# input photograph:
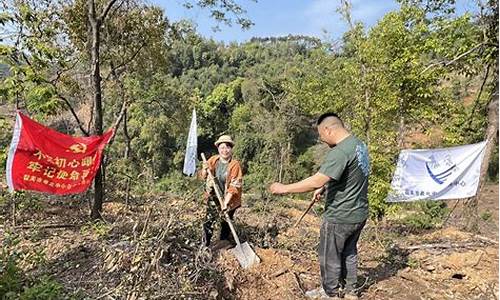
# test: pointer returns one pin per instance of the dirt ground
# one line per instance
(152, 252)
(452, 264)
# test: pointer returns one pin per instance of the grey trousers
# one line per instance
(338, 255)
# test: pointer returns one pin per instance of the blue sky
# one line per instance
(282, 17)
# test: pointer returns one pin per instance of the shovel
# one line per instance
(305, 212)
(243, 252)
(313, 200)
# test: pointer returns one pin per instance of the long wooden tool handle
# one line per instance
(313, 200)
(216, 187)
(218, 193)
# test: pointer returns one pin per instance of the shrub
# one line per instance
(175, 183)
(14, 284)
(486, 215)
(46, 288)
(428, 215)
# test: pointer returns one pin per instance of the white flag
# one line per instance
(191, 148)
(437, 174)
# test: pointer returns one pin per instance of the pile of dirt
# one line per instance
(277, 276)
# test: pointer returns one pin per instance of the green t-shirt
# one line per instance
(221, 175)
(348, 166)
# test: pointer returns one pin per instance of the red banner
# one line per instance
(45, 160)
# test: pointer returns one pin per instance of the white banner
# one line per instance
(437, 174)
(191, 148)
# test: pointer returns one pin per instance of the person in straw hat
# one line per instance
(228, 174)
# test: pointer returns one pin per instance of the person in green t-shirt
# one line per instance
(343, 178)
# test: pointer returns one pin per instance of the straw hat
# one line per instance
(224, 139)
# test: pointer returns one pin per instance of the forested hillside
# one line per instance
(421, 77)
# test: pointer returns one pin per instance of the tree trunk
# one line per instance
(491, 138)
(95, 25)
(280, 168)
(128, 149)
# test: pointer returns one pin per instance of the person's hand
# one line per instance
(209, 185)
(318, 193)
(278, 188)
(225, 203)
(204, 169)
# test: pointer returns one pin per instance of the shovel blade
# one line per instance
(245, 255)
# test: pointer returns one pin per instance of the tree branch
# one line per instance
(125, 62)
(447, 63)
(91, 118)
(118, 120)
(91, 12)
(45, 226)
(122, 113)
(478, 97)
(443, 246)
(106, 10)
(165, 109)
(86, 133)
(53, 83)
(59, 73)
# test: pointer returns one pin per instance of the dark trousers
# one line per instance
(211, 216)
(338, 255)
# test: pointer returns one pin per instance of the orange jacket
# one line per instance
(234, 180)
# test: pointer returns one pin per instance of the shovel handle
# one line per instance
(313, 200)
(218, 193)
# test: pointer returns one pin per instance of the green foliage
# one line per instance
(427, 215)
(14, 284)
(10, 276)
(419, 221)
(176, 183)
(413, 263)
(222, 10)
(45, 288)
(27, 202)
(486, 215)
(34, 57)
(388, 81)
(5, 136)
(216, 109)
(409, 73)
(99, 228)
(435, 209)
(304, 165)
